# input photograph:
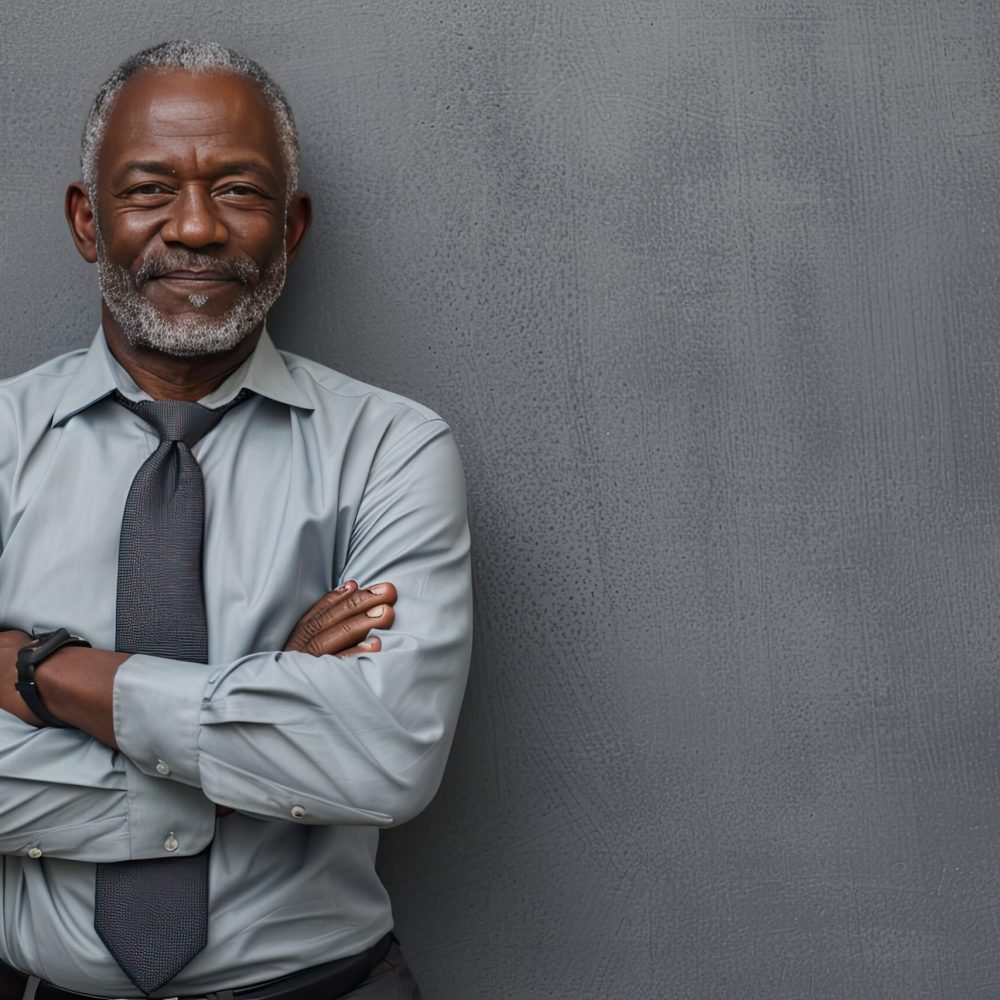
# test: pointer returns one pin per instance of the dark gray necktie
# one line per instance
(153, 915)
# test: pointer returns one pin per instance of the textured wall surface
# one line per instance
(707, 290)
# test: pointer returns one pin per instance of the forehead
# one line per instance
(181, 113)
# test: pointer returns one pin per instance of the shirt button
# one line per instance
(298, 812)
(171, 843)
(35, 853)
(161, 768)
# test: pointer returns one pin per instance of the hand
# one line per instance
(10, 701)
(340, 620)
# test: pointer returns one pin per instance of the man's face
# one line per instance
(190, 212)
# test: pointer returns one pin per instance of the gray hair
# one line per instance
(195, 57)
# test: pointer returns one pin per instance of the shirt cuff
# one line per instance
(157, 710)
(166, 818)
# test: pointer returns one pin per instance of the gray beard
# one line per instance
(189, 335)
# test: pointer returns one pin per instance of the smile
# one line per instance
(195, 277)
(187, 285)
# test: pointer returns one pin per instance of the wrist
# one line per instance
(11, 642)
(77, 686)
(30, 658)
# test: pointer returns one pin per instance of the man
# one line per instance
(190, 804)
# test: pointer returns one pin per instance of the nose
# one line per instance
(193, 220)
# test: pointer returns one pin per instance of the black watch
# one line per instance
(29, 657)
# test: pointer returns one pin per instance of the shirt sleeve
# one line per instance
(326, 740)
(67, 795)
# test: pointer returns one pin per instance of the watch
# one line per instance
(29, 657)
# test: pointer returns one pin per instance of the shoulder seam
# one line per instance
(418, 409)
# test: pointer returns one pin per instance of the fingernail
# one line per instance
(376, 612)
(378, 589)
(368, 644)
(344, 587)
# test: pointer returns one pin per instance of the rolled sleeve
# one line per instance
(157, 712)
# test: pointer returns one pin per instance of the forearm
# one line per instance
(294, 737)
(77, 686)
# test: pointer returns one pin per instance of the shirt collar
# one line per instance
(100, 374)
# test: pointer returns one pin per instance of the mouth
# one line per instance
(187, 283)
(200, 277)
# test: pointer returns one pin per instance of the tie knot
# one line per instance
(177, 420)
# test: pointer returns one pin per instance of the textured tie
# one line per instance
(153, 915)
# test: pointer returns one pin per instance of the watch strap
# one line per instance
(29, 658)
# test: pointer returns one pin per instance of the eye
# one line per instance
(241, 191)
(150, 187)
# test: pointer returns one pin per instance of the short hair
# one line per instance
(195, 57)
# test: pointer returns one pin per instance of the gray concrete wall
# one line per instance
(707, 289)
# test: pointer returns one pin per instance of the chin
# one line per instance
(187, 336)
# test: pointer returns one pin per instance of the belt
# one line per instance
(321, 982)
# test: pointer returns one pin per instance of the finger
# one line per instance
(351, 631)
(309, 623)
(354, 603)
(371, 645)
(384, 590)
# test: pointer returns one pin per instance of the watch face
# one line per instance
(47, 639)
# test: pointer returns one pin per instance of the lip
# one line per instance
(212, 277)
(187, 283)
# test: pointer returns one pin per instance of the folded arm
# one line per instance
(304, 738)
(308, 739)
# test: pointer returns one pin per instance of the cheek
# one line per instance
(260, 237)
(130, 236)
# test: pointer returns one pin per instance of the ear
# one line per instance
(80, 216)
(297, 222)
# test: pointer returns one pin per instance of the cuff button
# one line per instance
(161, 768)
(298, 812)
(35, 853)
(171, 843)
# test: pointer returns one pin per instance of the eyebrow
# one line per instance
(145, 167)
(165, 170)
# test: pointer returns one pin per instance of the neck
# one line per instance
(166, 377)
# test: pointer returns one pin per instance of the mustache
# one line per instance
(239, 267)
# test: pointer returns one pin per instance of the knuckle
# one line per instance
(323, 621)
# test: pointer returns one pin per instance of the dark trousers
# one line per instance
(391, 979)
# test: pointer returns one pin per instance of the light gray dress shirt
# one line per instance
(317, 479)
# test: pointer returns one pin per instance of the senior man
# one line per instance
(246, 582)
